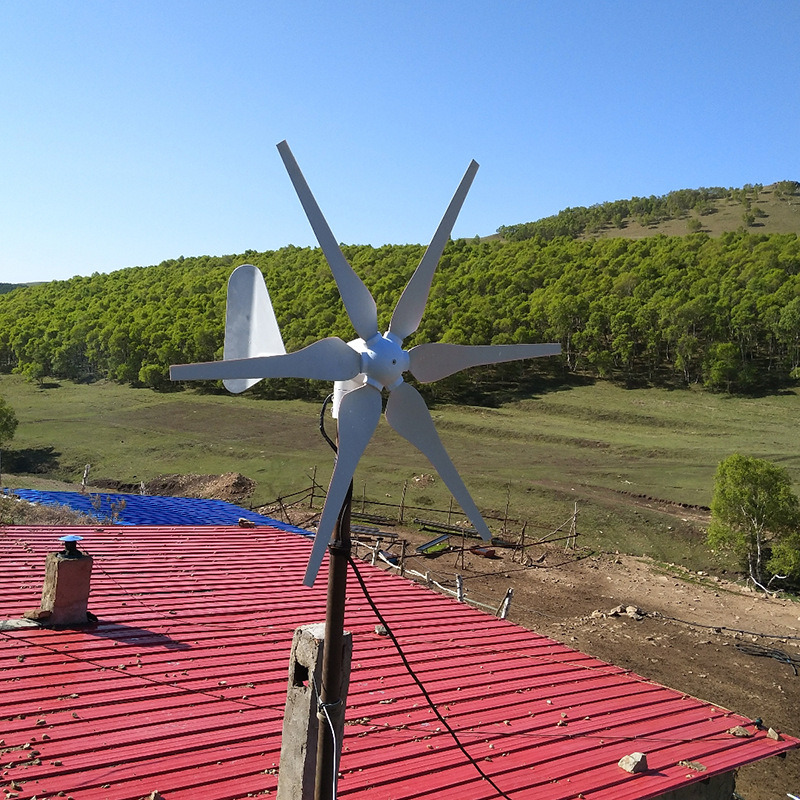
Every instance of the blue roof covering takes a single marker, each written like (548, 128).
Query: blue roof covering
(142, 509)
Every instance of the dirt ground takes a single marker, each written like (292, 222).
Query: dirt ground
(688, 635)
(232, 487)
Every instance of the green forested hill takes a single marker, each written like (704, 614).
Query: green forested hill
(723, 311)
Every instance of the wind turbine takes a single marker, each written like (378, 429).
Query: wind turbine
(362, 368)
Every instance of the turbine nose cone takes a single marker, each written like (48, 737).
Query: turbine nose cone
(386, 361)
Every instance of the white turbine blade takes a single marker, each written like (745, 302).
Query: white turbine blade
(411, 305)
(251, 328)
(436, 360)
(407, 413)
(359, 413)
(328, 359)
(356, 297)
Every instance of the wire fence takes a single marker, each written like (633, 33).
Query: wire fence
(510, 531)
(370, 517)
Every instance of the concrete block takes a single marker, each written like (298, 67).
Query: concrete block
(65, 593)
(301, 721)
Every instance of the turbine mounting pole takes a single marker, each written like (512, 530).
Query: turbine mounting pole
(330, 698)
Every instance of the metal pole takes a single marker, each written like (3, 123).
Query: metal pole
(330, 697)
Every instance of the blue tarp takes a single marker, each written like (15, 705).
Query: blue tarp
(151, 510)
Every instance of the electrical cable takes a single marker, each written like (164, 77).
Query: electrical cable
(410, 669)
(419, 683)
(323, 707)
(659, 615)
(768, 652)
(396, 643)
(322, 430)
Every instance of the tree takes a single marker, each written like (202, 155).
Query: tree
(694, 225)
(8, 422)
(754, 515)
(722, 367)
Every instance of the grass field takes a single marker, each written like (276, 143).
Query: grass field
(604, 447)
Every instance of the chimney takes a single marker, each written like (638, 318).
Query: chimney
(65, 594)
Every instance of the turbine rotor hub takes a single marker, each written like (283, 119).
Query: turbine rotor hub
(384, 361)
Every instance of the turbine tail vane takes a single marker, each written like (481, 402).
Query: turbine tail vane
(251, 328)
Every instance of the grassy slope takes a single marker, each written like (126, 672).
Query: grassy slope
(782, 215)
(596, 445)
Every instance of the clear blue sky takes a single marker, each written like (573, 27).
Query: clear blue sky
(133, 132)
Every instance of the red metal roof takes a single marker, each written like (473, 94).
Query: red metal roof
(181, 685)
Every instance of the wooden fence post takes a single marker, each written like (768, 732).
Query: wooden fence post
(505, 517)
(572, 539)
(403, 501)
(502, 612)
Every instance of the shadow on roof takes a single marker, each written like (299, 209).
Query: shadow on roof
(130, 634)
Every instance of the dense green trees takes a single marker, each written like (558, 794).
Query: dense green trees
(724, 312)
(755, 515)
(8, 422)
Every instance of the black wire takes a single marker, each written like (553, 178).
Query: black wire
(659, 615)
(768, 652)
(421, 687)
(322, 424)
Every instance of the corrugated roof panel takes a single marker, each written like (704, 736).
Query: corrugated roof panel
(180, 686)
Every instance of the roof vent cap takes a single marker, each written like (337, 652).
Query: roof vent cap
(71, 545)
